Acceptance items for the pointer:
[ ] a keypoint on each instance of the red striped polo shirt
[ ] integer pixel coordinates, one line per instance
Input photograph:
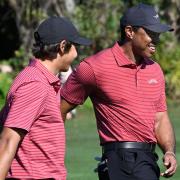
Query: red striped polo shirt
(125, 96)
(34, 105)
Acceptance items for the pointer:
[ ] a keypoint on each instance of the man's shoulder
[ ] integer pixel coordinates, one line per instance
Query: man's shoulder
(152, 63)
(27, 75)
(100, 56)
(154, 67)
(30, 73)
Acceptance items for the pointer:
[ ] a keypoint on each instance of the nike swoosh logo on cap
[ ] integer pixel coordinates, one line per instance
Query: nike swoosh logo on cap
(156, 16)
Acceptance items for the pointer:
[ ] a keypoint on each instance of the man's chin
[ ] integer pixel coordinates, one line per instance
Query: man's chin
(147, 55)
(65, 69)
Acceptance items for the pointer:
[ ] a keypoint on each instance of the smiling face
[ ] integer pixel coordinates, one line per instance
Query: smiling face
(67, 55)
(70, 56)
(144, 42)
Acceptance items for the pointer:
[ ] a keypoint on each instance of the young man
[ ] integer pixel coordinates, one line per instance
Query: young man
(32, 142)
(127, 90)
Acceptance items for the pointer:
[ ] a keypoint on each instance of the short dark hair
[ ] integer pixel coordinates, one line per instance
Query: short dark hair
(123, 33)
(43, 51)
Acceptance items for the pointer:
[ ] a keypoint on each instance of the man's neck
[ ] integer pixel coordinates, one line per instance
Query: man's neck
(50, 66)
(128, 51)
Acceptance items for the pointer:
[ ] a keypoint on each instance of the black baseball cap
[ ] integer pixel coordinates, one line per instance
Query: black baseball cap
(144, 15)
(55, 29)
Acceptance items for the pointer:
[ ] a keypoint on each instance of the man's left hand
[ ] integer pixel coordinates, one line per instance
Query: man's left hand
(170, 163)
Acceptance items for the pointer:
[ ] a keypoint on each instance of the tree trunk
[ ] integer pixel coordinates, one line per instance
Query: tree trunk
(171, 12)
(29, 13)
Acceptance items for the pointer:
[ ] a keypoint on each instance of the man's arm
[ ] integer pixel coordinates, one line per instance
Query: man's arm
(65, 108)
(80, 84)
(9, 141)
(166, 140)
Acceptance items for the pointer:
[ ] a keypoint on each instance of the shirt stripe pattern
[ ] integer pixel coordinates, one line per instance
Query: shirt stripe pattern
(33, 104)
(126, 97)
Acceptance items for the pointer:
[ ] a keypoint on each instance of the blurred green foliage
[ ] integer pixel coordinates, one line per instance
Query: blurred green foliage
(168, 56)
(17, 62)
(96, 20)
(99, 20)
(5, 81)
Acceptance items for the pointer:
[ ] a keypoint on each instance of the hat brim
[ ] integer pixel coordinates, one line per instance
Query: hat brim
(82, 41)
(159, 28)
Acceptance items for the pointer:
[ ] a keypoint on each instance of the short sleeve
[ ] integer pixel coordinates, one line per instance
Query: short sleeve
(79, 85)
(26, 105)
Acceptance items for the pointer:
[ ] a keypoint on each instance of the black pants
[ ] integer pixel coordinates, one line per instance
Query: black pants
(131, 164)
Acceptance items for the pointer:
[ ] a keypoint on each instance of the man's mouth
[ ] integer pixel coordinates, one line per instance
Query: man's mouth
(152, 47)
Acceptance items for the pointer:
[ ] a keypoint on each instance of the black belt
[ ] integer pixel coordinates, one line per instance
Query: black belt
(128, 145)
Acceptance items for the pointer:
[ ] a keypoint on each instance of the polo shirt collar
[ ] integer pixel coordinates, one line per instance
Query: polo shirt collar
(52, 79)
(121, 58)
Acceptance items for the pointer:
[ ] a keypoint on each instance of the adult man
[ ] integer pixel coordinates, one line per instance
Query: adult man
(32, 143)
(128, 94)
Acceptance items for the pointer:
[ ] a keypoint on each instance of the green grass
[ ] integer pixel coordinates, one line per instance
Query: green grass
(83, 144)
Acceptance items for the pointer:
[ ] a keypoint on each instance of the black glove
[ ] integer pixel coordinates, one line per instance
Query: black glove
(102, 169)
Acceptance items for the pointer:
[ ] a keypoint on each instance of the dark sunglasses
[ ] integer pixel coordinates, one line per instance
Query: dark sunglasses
(153, 35)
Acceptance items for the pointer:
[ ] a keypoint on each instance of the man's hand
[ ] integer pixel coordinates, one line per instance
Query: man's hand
(166, 140)
(170, 163)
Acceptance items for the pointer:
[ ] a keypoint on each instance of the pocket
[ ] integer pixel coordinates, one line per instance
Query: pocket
(153, 158)
(127, 161)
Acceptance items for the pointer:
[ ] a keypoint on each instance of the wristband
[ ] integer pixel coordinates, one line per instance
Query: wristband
(171, 153)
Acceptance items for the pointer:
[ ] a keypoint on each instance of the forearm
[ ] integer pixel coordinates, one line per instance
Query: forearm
(6, 157)
(166, 140)
(165, 133)
(8, 147)
(64, 116)
(65, 108)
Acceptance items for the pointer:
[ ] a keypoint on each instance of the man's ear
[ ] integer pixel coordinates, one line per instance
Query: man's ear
(129, 32)
(62, 47)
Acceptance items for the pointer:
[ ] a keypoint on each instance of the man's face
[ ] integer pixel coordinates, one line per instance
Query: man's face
(144, 42)
(68, 58)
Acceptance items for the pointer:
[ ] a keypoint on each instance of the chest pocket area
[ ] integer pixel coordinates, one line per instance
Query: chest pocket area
(150, 89)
